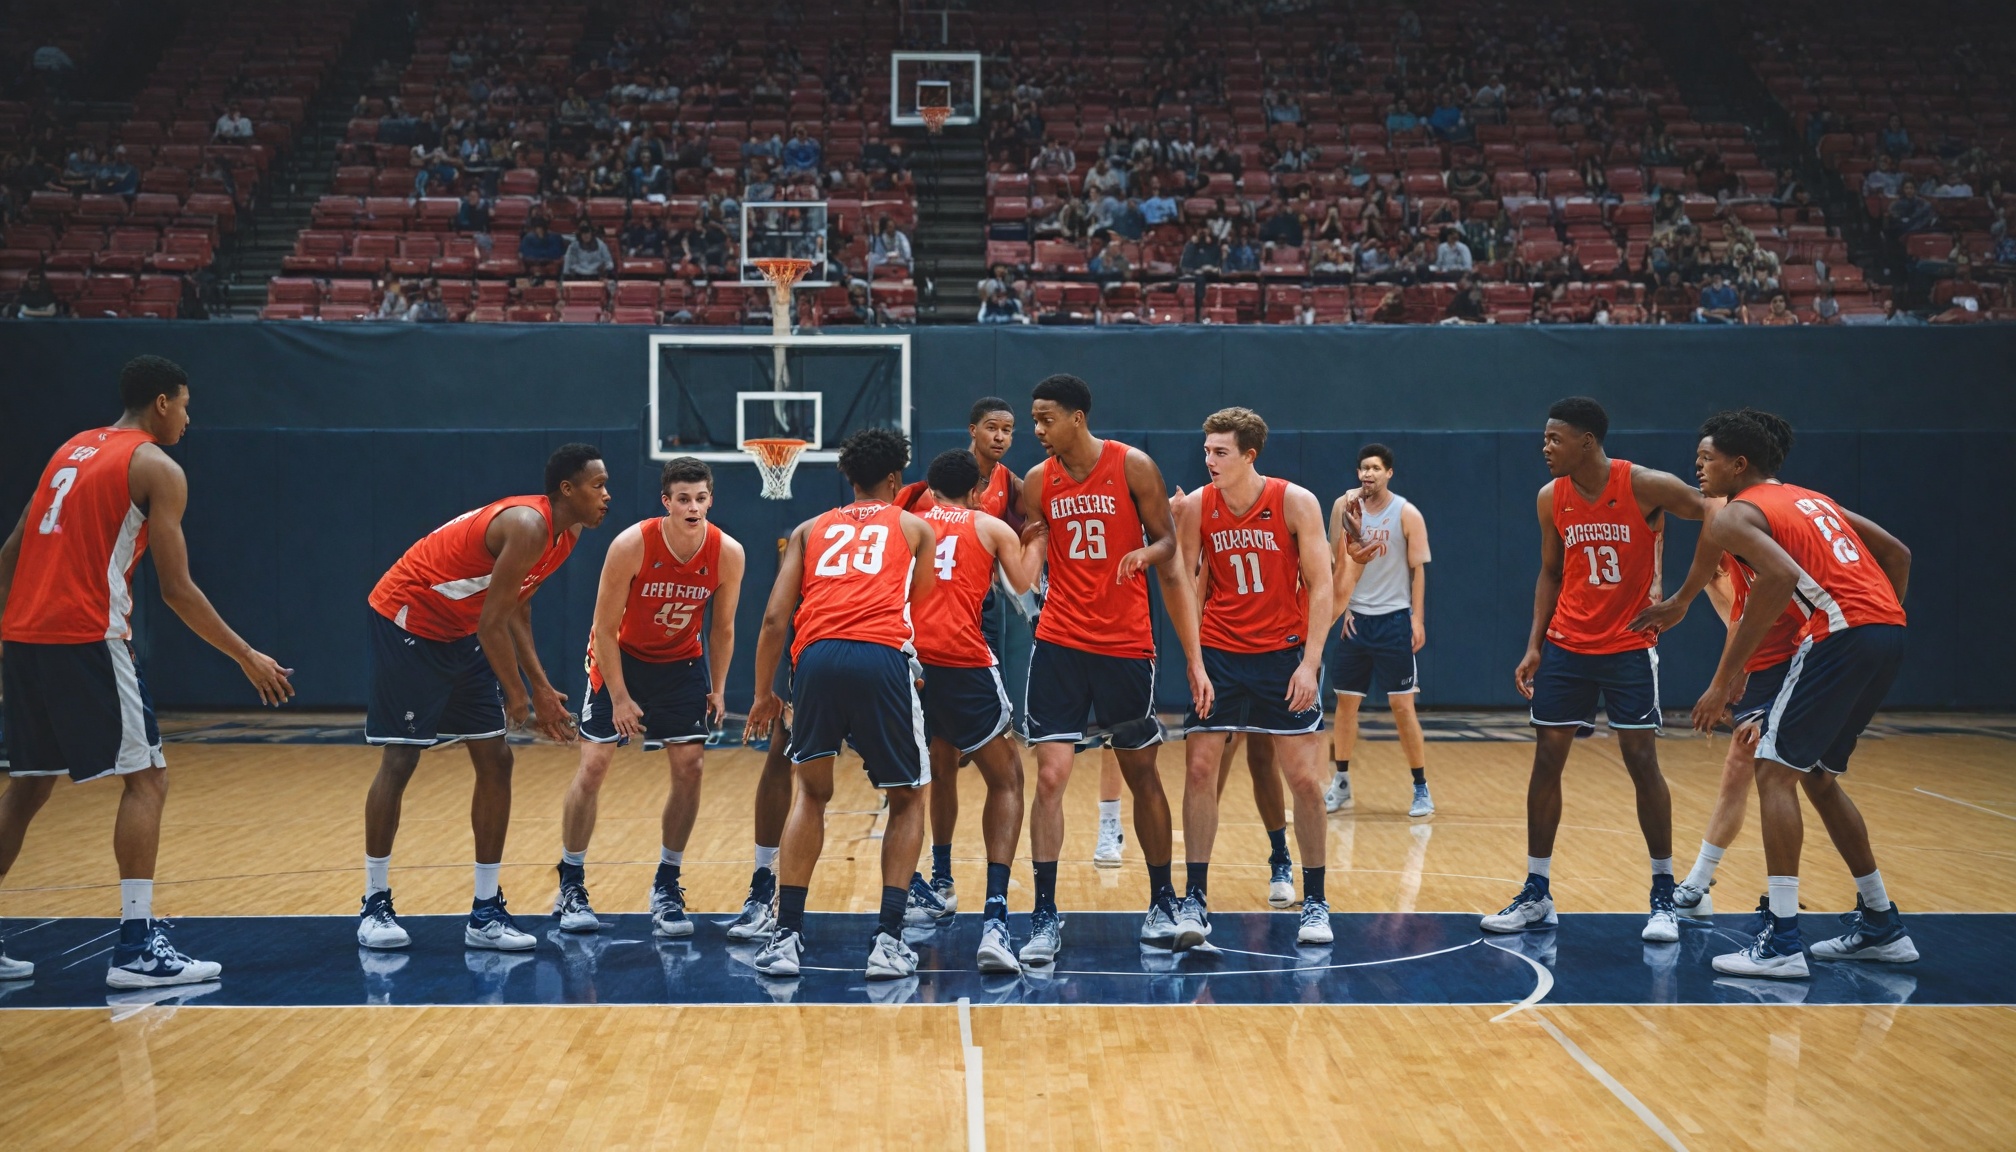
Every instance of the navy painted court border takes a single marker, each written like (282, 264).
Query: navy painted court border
(1379, 958)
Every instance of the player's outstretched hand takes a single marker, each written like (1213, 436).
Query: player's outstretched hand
(716, 708)
(1658, 617)
(1713, 708)
(1131, 565)
(1522, 676)
(1302, 689)
(268, 678)
(628, 718)
(763, 714)
(1354, 517)
(550, 717)
(1202, 695)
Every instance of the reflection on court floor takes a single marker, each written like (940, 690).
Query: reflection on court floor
(1392, 958)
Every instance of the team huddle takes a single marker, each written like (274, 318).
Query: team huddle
(876, 636)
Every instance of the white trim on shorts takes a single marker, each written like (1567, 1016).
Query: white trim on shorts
(1652, 655)
(1767, 748)
(135, 753)
(1007, 713)
(441, 741)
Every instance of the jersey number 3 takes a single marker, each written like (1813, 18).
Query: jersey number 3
(867, 556)
(61, 482)
(1602, 564)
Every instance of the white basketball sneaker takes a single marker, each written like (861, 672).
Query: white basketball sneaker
(1107, 853)
(1337, 798)
(1532, 908)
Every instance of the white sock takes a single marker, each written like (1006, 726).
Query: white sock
(1703, 873)
(667, 856)
(136, 899)
(766, 857)
(1539, 866)
(1109, 811)
(377, 874)
(574, 859)
(1870, 886)
(486, 880)
(1662, 865)
(1784, 896)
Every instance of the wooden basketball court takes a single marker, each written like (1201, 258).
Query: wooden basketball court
(348, 1050)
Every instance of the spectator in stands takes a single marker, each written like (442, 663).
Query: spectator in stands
(473, 214)
(1202, 257)
(650, 181)
(1448, 121)
(1898, 317)
(1671, 302)
(760, 186)
(1128, 220)
(1601, 314)
(1160, 207)
(430, 308)
(1488, 101)
(1778, 315)
(232, 126)
(645, 238)
(1392, 309)
(769, 148)
(116, 177)
(1399, 118)
(1056, 159)
(712, 246)
(1884, 179)
(1468, 183)
(606, 179)
(1109, 264)
(392, 302)
(1242, 258)
(1719, 303)
(1895, 140)
(1452, 258)
(1825, 306)
(541, 251)
(1668, 213)
(1951, 186)
(1282, 107)
(1467, 306)
(78, 171)
(588, 255)
(803, 154)
(1105, 181)
(1596, 183)
(35, 300)
(1374, 265)
(1910, 212)
(1282, 227)
(888, 247)
(1330, 261)
(1000, 308)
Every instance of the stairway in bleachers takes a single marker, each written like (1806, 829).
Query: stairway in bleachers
(950, 245)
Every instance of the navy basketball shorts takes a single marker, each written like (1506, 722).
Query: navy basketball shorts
(1566, 688)
(430, 692)
(77, 710)
(1250, 694)
(864, 695)
(672, 694)
(1832, 688)
(1760, 688)
(965, 707)
(1379, 650)
(1074, 694)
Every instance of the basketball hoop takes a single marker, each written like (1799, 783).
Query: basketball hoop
(776, 459)
(935, 117)
(782, 272)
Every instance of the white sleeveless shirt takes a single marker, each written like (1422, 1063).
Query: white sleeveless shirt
(1383, 584)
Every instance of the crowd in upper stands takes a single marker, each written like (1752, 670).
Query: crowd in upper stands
(1236, 161)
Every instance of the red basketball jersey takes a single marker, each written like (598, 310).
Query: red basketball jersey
(916, 499)
(1610, 562)
(856, 584)
(436, 589)
(73, 582)
(1093, 523)
(1783, 640)
(1840, 585)
(948, 624)
(1256, 601)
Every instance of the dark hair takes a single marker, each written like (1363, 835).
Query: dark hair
(953, 473)
(1582, 414)
(1742, 433)
(1384, 454)
(986, 404)
(566, 462)
(1781, 432)
(869, 456)
(146, 377)
(684, 470)
(1066, 391)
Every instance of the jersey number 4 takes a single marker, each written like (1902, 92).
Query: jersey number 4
(867, 556)
(1602, 564)
(61, 482)
(946, 557)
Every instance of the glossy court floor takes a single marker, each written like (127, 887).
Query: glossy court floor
(1411, 1031)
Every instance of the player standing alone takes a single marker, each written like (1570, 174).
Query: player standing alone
(1266, 603)
(1601, 530)
(450, 664)
(851, 575)
(1106, 510)
(1382, 584)
(1848, 576)
(966, 709)
(649, 679)
(75, 702)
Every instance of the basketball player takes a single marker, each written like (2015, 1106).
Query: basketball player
(450, 664)
(647, 681)
(1382, 582)
(1601, 530)
(966, 709)
(75, 703)
(1265, 577)
(992, 428)
(848, 580)
(1105, 508)
(1848, 577)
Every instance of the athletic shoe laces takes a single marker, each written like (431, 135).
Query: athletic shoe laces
(1529, 894)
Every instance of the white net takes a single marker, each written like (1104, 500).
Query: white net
(776, 460)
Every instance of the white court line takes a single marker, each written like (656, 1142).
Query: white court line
(1965, 804)
(1543, 982)
(1277, 971)
(1617, 1089)
(976, 1099)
